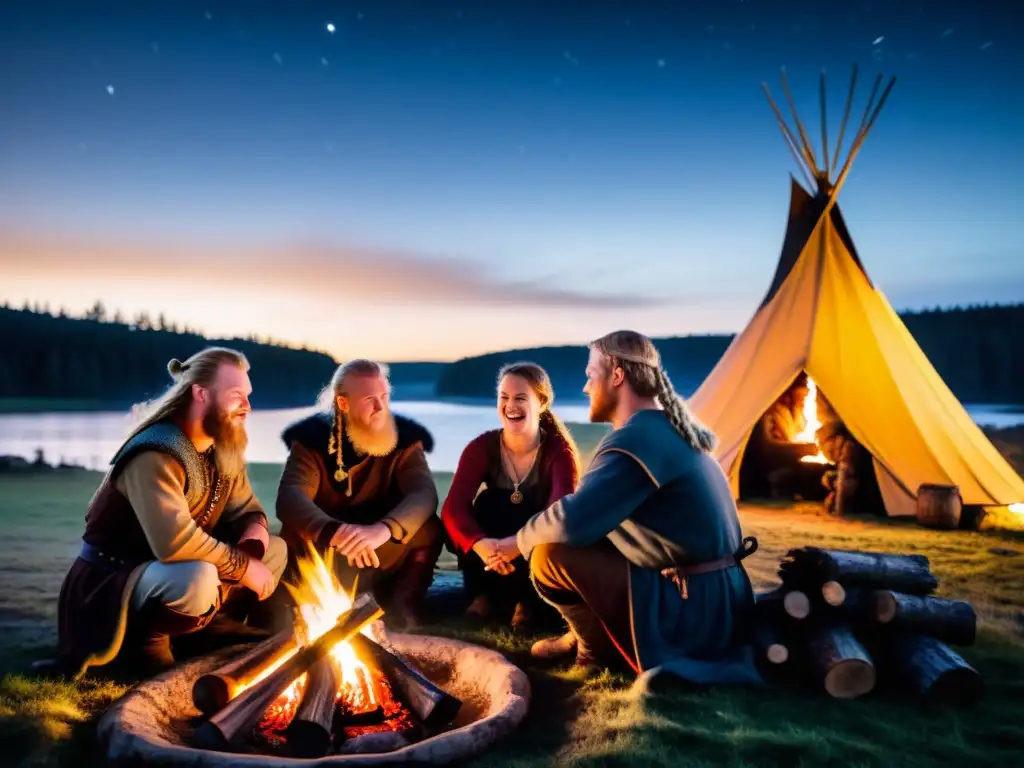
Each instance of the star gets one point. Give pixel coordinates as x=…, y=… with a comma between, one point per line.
x=277, y=57
x=878, y=40
x=986, y=46
x=155, y=47
x=110, y=90
x=330, y=27
x=208, y=15
x=324, y=61
x=661, y=63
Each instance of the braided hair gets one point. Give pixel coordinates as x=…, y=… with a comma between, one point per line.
x=643, y=371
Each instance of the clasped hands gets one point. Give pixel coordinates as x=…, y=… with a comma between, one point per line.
x=498, y=554
x=254, y=542
x=358, y=542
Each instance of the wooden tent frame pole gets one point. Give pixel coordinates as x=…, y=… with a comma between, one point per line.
x=790, y=140
x=824, y=126
x=811, y=159
x=846, y=117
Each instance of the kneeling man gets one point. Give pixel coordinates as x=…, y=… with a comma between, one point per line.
x=174, y=530
x=357, y=481
x=643, y=560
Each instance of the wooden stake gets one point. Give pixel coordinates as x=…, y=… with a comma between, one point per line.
x=309, y=733
x=215, y=689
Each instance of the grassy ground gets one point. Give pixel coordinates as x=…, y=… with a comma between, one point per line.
x=600, y=722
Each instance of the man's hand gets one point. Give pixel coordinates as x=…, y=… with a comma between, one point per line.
x=254, y=540
x=258, y=578
x=358, y=542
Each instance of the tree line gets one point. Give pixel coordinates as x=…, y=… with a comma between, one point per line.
x=978, y=350
x=104, y=358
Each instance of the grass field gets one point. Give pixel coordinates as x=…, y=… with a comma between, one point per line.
x=600, y=722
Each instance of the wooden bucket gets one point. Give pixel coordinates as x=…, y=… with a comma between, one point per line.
x=939, y=506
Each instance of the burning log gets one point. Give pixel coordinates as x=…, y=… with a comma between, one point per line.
x=244, y=711
x=212, y=691
x=840, y=662
x=949, y=621
x=874, y=570
x=309, y=733
x=934, y=671
x=434, y=707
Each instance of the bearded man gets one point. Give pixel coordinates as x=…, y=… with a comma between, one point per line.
x=356, y=481
x=643, y=560
x=174, y=533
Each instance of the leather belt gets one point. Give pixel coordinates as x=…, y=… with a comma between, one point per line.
x=95, y=556
x=678, y=574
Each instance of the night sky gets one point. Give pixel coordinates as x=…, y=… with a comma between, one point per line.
x=426, y=180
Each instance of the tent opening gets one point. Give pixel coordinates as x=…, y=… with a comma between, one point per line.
x=800, y=450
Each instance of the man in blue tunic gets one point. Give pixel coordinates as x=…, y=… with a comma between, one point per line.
x=643, y=560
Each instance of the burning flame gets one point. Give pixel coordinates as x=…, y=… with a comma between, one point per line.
x=1017, y=508
x=812, y=424
x=320, y=599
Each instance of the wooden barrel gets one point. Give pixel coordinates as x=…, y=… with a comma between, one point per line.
x=939, y=506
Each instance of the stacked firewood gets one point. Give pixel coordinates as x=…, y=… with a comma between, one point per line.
x=849, y=620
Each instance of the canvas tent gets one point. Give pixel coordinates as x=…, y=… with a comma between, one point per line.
x=822, y=315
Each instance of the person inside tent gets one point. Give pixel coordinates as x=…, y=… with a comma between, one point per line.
x=644, y=559
x=356, y=481
x=526, y=465
x=771, y=455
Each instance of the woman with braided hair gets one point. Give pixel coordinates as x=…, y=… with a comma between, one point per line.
x=526, y=465
x=643, y=560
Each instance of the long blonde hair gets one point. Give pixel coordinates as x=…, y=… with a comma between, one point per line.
x=540, y=383
x=199, y=369
x=328, y=401
x=641, y=365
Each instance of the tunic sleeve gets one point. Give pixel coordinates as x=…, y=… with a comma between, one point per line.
x=611, y=490
x=154, y=485
x=457, y=512
x=562, y=474
x=243, y=508
x=300, y=483
x=419, y=495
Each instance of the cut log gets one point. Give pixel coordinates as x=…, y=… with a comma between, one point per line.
x=951, y=621
x=833, y=593
x=873, y=570
x=212, y=691
x=434, y=707
x=243, y=712
x=840, y=663
x=793, y=602
x=934, y=671
x=309, y=733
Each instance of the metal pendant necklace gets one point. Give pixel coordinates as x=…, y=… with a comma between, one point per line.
x=517, y=495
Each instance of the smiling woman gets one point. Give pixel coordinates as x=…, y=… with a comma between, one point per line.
x=526, y=465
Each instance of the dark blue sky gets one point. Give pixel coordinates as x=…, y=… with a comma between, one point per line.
x=433, y=179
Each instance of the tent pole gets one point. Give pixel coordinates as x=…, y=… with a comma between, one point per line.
x=790, y=140
x=824, y=127
x=799, y=126
x=846, y=118
x=868, y=106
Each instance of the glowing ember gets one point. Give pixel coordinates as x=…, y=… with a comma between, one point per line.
x=812, y=424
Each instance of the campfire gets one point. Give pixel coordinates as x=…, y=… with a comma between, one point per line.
x=319, y=684
x=809, y=433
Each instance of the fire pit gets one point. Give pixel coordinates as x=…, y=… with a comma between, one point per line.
x=338, y=687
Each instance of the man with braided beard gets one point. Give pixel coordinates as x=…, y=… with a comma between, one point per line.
x=643, y=560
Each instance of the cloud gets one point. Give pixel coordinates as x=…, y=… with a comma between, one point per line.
x=353, y=275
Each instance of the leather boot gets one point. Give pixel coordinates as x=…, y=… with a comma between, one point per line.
x=586, y=635
x=146, y=650
x=411, y=583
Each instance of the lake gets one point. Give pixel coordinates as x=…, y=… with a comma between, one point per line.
x=90, y=439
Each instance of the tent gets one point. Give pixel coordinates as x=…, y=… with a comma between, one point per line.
x=823, y=315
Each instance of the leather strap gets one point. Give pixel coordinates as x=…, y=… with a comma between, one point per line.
x=679, y=573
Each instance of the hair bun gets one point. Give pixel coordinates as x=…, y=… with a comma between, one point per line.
x=175, y=368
